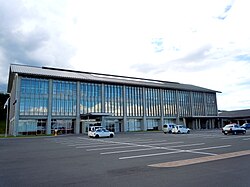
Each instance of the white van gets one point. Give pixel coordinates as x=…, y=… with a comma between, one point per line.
x=93, y=129
x=167, y=128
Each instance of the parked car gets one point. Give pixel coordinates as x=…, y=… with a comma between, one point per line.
x=233, y=129
x=97, y=133
x=180, y=129
x=245, y=126
x=167, y=128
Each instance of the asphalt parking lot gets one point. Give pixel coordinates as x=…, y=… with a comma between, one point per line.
x=202, y=158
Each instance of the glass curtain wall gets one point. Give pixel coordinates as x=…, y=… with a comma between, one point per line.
x=64, y=98
x=134, y=101
x=169, y=103
x=152, y=124
x=133, y=125
x=198, y=102
x=113, y=99
x=153, y=102
x=90, y=101
x=34, y=97
x=185, y=107
x=211, y=104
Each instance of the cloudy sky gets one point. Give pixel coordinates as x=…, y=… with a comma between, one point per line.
x=200, y=42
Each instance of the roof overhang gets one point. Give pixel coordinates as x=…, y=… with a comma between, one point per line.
x=95, y=115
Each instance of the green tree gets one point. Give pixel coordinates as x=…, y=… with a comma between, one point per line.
x=3, y=99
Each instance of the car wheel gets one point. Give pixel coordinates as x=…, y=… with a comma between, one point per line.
x=97, y=136
x=165, y=132
x=111, y=136
x=179, y=132
x=244, y=132
x=188, y=132
x=225, y=133
x=234, y=132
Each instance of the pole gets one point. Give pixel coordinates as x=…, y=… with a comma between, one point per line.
x=6, y=123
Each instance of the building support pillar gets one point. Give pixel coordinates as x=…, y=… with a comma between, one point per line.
x=48, y=124
x=77, y=123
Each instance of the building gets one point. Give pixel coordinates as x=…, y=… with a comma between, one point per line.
x=44, y=99
x=234, y=116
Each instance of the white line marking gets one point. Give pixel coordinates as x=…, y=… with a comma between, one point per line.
x=127, y=151
x=198, y=152
x=120, y=147
x=148, y=155
x=246, y=139
x=235, y=137
x=216, y=147
x=188, y=145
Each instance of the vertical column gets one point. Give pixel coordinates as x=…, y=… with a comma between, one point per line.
x=48, y=125
x=77, y=125
x=16, y=104
x=103, y=99
x=124, y=109
x=192, y=103
x=205, y=103
x=178, y=107
x=144, y=121
x=161, y=110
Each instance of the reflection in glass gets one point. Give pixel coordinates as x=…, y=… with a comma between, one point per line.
x=64, y=98
x=34, y=97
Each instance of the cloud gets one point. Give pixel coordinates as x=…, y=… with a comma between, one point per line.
x=204, y=43
x=29, y=37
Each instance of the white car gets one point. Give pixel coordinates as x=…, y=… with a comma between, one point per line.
x=180, y=129
x=101, y=133
x=233, y=129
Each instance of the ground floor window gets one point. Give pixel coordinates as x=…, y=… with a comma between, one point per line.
x=31, y=127
x=62, y=126
x=152, y=124
x=133, y=125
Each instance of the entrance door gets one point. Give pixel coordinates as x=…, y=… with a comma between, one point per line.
x=85, y=125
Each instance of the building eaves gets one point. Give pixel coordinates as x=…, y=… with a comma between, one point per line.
x=97, y=77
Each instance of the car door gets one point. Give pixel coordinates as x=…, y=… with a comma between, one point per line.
x=105, y=133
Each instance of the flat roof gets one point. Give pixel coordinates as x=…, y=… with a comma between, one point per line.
x=58, y=73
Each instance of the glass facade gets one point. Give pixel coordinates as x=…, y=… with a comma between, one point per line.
x=34, y=97
x=185, y=106
x=90, y=98
x=211, y=104
x=198, y=104
x=51, y=102
x=153, y=102
x=169, y=103
x=113, y=100
x=64, y=98
x=134, y=101
x=133, y=125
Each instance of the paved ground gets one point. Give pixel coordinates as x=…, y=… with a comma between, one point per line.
x=202, y=158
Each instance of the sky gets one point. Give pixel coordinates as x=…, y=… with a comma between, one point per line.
x=200, y=42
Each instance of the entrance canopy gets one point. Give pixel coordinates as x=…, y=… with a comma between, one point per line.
x=94, y=115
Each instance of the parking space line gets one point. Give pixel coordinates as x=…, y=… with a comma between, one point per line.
x=206, y=148
x=234, y=137
x=188, y=145
x=201, y=159
x=105, y=148
x=149, y=155
x=246, y=139
x=127, y=151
